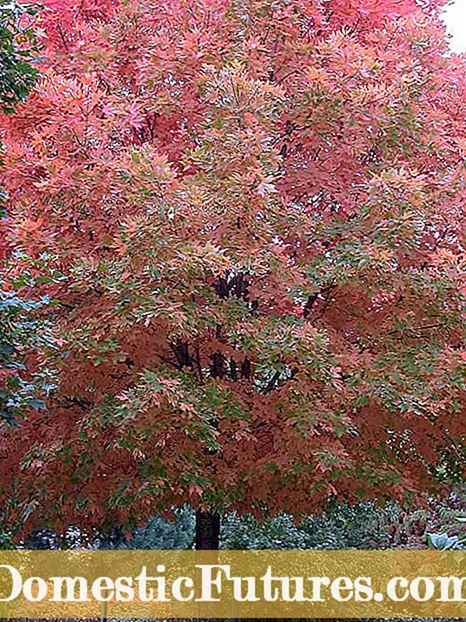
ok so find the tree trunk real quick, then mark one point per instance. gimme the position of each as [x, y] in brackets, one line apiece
[207, 539]
[207, 531]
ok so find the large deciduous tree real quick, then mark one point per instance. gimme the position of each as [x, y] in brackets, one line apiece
[254, 214]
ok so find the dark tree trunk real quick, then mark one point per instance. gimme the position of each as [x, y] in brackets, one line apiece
[207, 531]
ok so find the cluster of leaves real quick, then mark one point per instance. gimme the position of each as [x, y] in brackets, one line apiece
[18, 53]
[162, 534]
[25, 332]
[444, 542]
[449, 532]
[362, 526]
[343, 527]
[20, 332]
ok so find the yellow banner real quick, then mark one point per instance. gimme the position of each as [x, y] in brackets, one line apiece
[232, 584]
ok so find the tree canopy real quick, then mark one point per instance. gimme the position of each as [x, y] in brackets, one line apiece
[250, 218]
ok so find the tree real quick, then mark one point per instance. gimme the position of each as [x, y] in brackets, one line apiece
[20, 334]
[256, 210]
[18, 50]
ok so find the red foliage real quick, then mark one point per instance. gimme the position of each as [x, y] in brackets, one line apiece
[257, 213]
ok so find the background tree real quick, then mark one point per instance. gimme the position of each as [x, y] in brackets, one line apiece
[254, 212]
[18, 52]
[19, 330]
